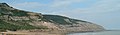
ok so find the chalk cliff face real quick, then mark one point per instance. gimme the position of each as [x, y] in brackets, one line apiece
[14, 20]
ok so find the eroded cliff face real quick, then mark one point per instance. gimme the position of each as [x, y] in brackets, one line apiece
[25, 20]
[73, 25]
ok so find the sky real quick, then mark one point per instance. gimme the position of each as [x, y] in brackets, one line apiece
[102, 12]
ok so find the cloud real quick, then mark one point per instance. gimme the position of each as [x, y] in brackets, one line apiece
[63, 3]
[106, 6]
[28, 5]
[99, 7]
[62, 6]
[32, 6]
[98, 12]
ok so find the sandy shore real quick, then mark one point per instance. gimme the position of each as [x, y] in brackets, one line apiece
[30, 33]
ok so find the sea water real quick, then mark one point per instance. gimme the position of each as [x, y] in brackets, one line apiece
[98, 33]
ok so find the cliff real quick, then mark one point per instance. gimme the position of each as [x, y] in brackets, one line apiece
[17, 20]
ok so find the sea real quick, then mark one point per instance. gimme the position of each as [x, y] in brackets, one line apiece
[116, 32]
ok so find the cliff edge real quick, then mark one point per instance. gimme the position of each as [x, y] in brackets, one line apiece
[19, 20]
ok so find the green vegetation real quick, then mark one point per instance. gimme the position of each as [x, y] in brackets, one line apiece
[57, 19]
[4, 10]
[19, 13]
[9, 26]
[13, 12]
[60, 19]
[15, 25]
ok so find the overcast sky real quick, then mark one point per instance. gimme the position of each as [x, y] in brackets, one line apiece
[103, 12]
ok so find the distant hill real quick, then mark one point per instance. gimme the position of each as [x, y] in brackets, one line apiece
[14, 19]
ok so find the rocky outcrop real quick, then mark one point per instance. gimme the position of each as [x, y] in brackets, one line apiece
[25, 20]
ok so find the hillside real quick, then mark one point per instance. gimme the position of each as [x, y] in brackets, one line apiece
[14, 20]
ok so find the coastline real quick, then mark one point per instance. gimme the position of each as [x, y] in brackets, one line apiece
[47, 33]
[112, 32]
[91, 31]
[29, 33]
[84, 32]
